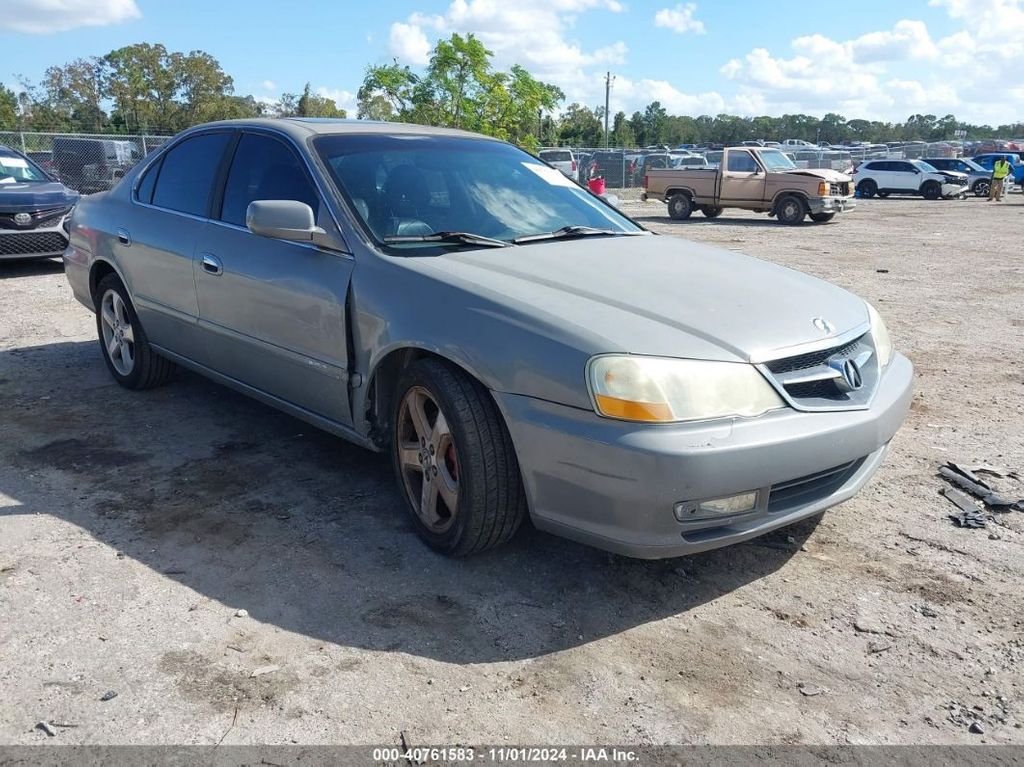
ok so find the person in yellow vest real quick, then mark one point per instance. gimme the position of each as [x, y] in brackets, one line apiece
[1000, 170]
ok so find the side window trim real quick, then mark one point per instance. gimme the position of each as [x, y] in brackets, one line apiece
[166, 150]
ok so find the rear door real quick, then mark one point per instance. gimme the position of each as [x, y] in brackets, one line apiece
[743, 180]
[274, 311]
[154, 241]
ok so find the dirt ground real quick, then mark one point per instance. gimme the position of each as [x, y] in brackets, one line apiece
[135, 528]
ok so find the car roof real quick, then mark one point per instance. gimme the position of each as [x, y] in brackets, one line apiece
[303, 127]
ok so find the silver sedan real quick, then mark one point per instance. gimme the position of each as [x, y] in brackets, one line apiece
[516, 344]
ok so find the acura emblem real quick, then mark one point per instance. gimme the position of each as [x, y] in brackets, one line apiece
[850, 377]
[22, 218]
[823, 325]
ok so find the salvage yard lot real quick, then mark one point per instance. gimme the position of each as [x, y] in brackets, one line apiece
[135, 529]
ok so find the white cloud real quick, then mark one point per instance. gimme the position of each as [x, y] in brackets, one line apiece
[46, 16]
[680, 19]
[269, 85]
[342, 98]
[409, 44]
[534, 33]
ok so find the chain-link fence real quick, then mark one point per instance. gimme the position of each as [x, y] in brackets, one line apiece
[86, 162]
[625, 168]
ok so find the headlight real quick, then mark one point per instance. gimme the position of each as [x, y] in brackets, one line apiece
[663, 390]
[880, 334]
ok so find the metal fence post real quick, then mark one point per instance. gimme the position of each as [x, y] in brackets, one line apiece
[22, 134]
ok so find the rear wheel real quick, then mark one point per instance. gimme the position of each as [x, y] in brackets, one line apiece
[981, 188]
[790, 210]
[931, 190]
[882, 194]
[710, 211]
[867, 188]
[126, 349]
[455, 461]
[822, 218]
[680, 206]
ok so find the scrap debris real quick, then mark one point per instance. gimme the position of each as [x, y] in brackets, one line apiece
[967, 478]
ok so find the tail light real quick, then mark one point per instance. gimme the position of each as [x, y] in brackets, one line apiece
[645, 181]
[573, 166]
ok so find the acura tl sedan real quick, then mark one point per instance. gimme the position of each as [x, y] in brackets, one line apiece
[516, 344]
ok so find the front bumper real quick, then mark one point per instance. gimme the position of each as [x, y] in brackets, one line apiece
[613, 484]
[954, 190]
[44, 242]
[831, 204]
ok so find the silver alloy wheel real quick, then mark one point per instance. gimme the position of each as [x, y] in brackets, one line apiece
[118, 334]
[428, 459]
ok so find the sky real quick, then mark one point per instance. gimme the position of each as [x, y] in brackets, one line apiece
[873, 59]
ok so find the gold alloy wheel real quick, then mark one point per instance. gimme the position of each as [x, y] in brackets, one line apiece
[428, 459]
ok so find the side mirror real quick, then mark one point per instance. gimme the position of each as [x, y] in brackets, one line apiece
[282, 220]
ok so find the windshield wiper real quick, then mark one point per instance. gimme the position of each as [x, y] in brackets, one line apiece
[448, 238]
[568, 232]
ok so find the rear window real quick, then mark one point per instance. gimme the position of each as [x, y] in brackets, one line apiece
[187, 172]
[556, 155]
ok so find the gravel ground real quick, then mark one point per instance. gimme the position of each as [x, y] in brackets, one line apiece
[230, 573]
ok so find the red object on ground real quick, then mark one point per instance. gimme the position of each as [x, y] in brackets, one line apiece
[596, 185]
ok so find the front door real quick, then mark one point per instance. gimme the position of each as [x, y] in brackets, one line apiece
[274, 311]
[743, 180]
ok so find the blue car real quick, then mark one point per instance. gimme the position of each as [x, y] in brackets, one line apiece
[33, 209]
[988, 160]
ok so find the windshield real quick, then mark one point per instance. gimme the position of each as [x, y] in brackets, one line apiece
[923, 166]
[972, 165]
[413, 186]
[774, 160]
[14, 169]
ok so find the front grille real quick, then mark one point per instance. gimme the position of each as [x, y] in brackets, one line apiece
[811, 383]
[839, 189]
[32, 243]
[804, 490]
[40, 218]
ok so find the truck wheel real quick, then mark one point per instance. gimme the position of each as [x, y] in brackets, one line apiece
[455, 461]
[867, 188]
[710, 211]
[981, 188]
[790, 210]
[822, 218]
[931, 190]
[680, 206]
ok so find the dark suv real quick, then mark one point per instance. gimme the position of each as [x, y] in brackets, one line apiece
[33, 208]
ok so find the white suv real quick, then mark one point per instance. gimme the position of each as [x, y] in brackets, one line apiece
[885, 177]
[563, 159]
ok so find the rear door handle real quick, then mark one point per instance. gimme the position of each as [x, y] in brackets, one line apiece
[212, 264]
[123, 237]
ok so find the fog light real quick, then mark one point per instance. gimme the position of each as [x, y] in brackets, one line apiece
[686, 511]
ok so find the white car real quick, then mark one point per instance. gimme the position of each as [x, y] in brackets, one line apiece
[798, 143]
[885, 177]
[564, 160]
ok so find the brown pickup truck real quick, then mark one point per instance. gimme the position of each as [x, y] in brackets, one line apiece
[752, 178]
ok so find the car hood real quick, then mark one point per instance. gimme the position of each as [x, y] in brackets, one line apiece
[832, 176]
[654, 295]
[35, 195]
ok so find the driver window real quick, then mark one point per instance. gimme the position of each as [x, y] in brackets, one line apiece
[741, 162]
[263, 168]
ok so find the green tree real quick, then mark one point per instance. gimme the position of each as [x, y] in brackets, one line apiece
[310, 104]
[141, 83]
[8, 109]
[388, 91]
[74, 91]
[622, 133]
[580, 126]
[202, 88]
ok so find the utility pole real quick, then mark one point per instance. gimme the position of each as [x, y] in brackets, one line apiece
[608, 80]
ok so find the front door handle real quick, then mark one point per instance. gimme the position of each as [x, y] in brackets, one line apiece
[123, 237]
[212, 264]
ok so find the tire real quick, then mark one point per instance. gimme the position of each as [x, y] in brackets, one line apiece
[822, 218]
[710, 211]
[867, 188]
[680, 207]
[478, 500]
[882, 194]
[790, 210]
[981, 188]
[931, 190]
[123, 341]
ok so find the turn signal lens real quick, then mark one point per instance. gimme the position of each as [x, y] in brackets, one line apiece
[823, 189]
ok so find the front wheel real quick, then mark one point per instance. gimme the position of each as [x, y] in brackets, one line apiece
[680, 206]
[790, 210]
[455, 461]
[981, 188]
[822, 218]
[931, 190]
[126, 350]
